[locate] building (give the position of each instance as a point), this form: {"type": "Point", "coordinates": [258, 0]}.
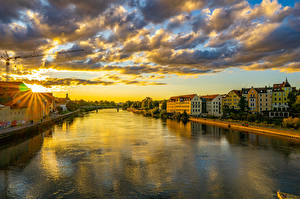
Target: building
{"type": "Point", "coordinates": [260, 99]}
{"type": "Point", "coordinates": [61, 103]}
{"type": "Point", "coordinates": [232, 99]}
{"type": "Point", "coordinates": [213, 104]}
{"type": "Point", "coordinates": [245, 92]}
{"type": "Point", "coordinates": [24, 104]}
{"type": "Point", "coordinates": [191, 104]}
{"type": "Point", "coordinates": [4, 113]}
{"type": "Point", "coordinates": [252, 99]}
{"type": "Point", "coordinates": [264, 99]}
{"type": "Point", "coordinates": [280, 96]}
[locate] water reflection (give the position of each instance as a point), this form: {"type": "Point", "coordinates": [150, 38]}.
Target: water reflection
{"type": "Point", "coordinates": [123, 155]}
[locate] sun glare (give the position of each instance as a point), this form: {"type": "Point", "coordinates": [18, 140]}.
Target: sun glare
{"type": "Point", "coordinates": [37, 88]}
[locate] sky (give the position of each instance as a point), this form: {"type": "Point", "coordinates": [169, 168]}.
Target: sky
{"type": "Point", "coordinates": [158, 48]}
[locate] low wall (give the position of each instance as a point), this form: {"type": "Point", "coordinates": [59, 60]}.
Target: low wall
{"type": "Point", "coordinates": [26, 130]}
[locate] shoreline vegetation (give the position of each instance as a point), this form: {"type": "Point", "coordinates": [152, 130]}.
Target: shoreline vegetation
{"type": "Point", "coordinates": [242, 116]}
{"type": "Point", "coordinates": [245, 126]}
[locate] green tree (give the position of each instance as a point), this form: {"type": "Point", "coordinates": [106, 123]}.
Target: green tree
{"type": "Point", "coordinates": [292, 97]}
{"type": "Point", "coordinates": [243, 104]}
{"type": "Point", "coordinates": [72, 106]}
{"type": "Point", "coordinates": [146, 103]}
{"type": "Point", "coordinates": [164, 105]}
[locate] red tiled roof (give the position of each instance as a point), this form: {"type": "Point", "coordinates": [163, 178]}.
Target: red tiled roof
{"type": "Point", "coordinates": [183, 96]}
{"type": "Point", "coordinates": [209, 97]}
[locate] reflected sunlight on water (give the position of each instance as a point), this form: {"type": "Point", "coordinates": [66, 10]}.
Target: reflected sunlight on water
{"type": "Point", "coordinates": [113, 154]}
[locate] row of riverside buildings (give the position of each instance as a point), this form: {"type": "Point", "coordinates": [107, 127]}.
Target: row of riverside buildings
{"type": "Point", "coordinates": [19, 105]}
{"type": "Point", "coordinates": [269, 101]}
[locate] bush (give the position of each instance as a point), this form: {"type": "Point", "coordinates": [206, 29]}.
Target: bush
{"type": "Point", "coordinates": [163, 114]}
{"type": "Point", "coordinates": [291, 122]}
{"type": "Point", "coordinates": [251, 118]}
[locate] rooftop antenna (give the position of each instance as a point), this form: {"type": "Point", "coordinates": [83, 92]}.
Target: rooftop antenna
{"type": "Point", "coordinates": [8, 58]}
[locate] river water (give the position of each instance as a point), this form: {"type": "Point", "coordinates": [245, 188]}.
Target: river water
{"type": "Point", "coordinates": [113, 154]}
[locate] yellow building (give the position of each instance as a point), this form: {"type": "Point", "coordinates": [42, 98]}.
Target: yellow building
{"type": "Point", "coordinates": [280, 96]}
{"type": "Point", "coordinates": [252, 100]}
{"type": "Point", "coordinates": [24, 104]}
{"type": "Point", "coordinates": [259, 99]}
{"type": "Point", "coordinates": [232, 99]}
{"type": "Point", "coordinates": [191, 104]}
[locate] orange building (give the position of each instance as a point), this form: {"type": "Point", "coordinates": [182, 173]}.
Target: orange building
{"type": "Point", "coordinates": [191, 104]}
{"type": "Point", "coordinates": [24, 104]}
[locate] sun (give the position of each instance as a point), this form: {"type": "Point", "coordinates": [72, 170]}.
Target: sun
{"type": "Point", "coordinates": [37, 88]}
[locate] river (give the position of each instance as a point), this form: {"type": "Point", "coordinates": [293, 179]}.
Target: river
{"type": "Point", "coordinates": [112, 154]}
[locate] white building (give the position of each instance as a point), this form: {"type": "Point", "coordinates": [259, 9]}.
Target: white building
{"type": "Point", "coordinates": [213, 105]}
{"type": "Point", "coordinates": [196, 106]}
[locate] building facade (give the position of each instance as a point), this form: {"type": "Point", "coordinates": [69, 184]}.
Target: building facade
{"type": "Point", "coordinates": [260, 99]}
{"type": "Point", "coordinates": [232, 99]}
{"type": "Point", "coordinates": [24, 104]}
{"type": "Point", "coordinates": [280, 96]}
{"type": "Point", "coordinates": [213, 104]}
{"type": "Point", "coordinates": [4, 113]}
{"type": "Point", "coordinates": [252, 99]}
{"type": "Point", "coordinates": [191, 104]}
{"type": "Point", "coordinates": [264, 99]}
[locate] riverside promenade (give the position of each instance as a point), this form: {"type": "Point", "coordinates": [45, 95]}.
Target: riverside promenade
{"type": "Point", "coordinates": [28, 129]}
{"type": "Point", "coordinates": [252, 129]}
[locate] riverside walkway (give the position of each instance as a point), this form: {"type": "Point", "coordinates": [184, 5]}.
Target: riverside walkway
{"type": "Point", "coordinates": [252, 129]}
{"type": "Point", "coordinates": [8, 133]}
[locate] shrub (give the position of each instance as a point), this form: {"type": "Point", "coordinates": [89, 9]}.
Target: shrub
{"type": "Point", "coordinates": [291, 122]}
{"type": "Point", "coordinates": [163, 114]}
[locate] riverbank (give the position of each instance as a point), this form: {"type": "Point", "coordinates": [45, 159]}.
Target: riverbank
{"type": "Point", "coordinates": [251, 129]}
{"type": "Point", "coordinates": [25, 130]}
{"type": "Point", "coordinates": [228, 124]}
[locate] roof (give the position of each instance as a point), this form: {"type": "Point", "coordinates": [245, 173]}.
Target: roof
{"type": "Point", "coordinates": [27, 99]}
{"type": "Point", "coordinates": [245, 90]}
{"type": "Point", "coordinates": [262, 90]}
{"type": "Point", "coordinates": [191, 96]}
{"type": "Point", "coordinates": [237, 92]}
{"type": "Point", "coordinates": [210, 97]}
{"type": "Point", "coordinates": [278, 87]}
{"type": "Point", "coordinates": [12, 87]}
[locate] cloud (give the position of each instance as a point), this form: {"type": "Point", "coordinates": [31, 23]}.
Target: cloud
{"type": "Point", "coordinates": [150, 37]}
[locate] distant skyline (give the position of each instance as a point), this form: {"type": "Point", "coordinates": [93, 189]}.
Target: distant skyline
{"type": "Point", "coordinates": [157, 48]}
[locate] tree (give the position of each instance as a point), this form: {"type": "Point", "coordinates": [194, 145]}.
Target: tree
{"type": "Point", "coordinates": [164, 105]}
{"type": "Point", "coordinates": [72, 106]}
{"type": "Point", "coordinates": [292, 97]}
{"type": "Point", "coordinates": [243, 104]}
{"type": "Point", "coordinates": [146, 103]}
